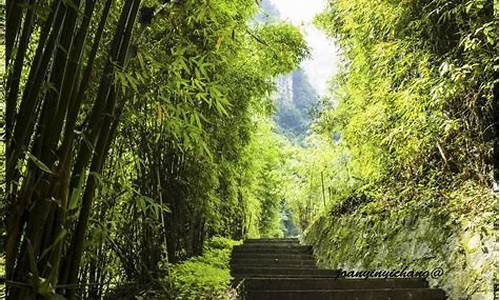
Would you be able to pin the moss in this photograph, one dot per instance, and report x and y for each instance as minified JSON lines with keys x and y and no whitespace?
{"x":453,"y":229}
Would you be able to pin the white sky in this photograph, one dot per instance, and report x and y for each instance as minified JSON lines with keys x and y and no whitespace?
{"x":324,"y":53}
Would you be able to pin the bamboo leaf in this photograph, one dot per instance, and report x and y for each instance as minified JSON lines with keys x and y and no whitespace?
{"x":75,"y":195}
{"x":39,"y":164}
{"x":59,"y":239}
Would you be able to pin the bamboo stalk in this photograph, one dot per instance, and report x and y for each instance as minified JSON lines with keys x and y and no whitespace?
{"x":15,"y":75}
{"x":23,"y":126}
{"x":13,"y":22}
{"x":130,"y":10}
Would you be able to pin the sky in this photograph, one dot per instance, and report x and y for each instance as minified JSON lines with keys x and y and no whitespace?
{"x":324,"y":53}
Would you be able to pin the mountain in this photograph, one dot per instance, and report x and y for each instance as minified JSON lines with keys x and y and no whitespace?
{"x":295,"y":98}
{"x":268,"y":12}
{"x":295,"y":95}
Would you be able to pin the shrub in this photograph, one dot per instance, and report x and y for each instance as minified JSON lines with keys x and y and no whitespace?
{"x":206,"y":276}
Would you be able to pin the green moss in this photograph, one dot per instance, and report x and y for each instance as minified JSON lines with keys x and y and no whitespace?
{"x":452,"y":229}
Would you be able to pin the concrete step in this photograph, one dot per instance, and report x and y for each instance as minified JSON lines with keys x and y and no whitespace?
{"x":356,"y":294}
{"x":331,"y":284}
{"x":273,"y":249}
{"x":283,"y":272}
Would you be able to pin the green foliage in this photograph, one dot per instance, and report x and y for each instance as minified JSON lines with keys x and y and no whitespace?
{"x":138,"y":153}
{"x":220,"y":243}
{"x":2,"y":272}
{"x":199,"y":78}
{"x":206,"y":276}
{"x":63,"y":65}
{"x":285,"y":44}
{"x":412,"y":99}
{"x":128,"y":141}
{"x":316,"y":177}
{"x":408,"y":143}
{"x":263,"y":182}
{"x":213,"y":73}
{"x":198,"y":280}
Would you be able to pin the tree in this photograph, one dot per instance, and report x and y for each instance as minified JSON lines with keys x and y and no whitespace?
{"x":75,"y":71}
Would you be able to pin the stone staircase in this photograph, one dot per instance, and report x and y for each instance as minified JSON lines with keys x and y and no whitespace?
{"x":280,"y":269}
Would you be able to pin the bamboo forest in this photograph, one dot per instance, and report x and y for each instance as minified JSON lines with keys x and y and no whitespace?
{"x":249,"y":149}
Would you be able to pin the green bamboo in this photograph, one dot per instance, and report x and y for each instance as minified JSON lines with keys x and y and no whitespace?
{"x":91,"y":133}
{"x":15,"y":75}
{"x":13,"y":22}
{"x":23,"y":125}
{"x":130,"y":10}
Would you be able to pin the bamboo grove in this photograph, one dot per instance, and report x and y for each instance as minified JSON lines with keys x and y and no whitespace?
{"x":126,"y":128}
{"x":144,"y":138}
{"x":413,"y":109}
{"x":407,"y":143}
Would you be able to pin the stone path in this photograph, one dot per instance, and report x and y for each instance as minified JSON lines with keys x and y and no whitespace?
{"x":280,"y":269}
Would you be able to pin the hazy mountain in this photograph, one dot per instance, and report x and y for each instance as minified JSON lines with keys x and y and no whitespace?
{"x":295,"y":98}
{"x":268,"y":12}
{"x":295,"y":94}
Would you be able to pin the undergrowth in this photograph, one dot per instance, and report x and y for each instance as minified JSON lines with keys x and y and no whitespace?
{"x":206,"y":276}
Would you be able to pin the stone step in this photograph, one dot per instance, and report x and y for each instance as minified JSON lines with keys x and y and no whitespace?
{"x":280,"y":269}
{"x":271,"y":245}
{"x":331,"y":284}
{"x":272,"y":256}
{"x":271,"y":241}
{"x":273,"y":249}
{"x":272,"y":262}
{"x":269,"y":268}
{"x":283,"y":272}
{"x":357,"y":294}
{"x":274,"y":266}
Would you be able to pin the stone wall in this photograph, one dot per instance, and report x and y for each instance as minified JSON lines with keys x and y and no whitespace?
{"x":455,"y":231}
